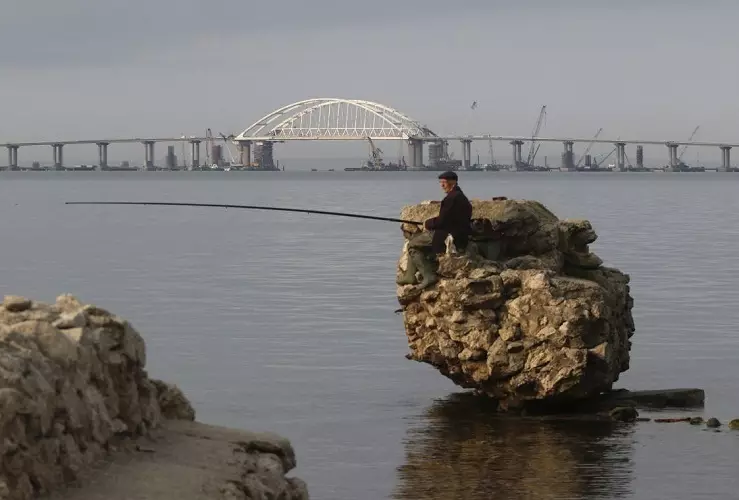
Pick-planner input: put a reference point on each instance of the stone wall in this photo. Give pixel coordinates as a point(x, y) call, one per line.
point(527, 314)
point(72, 385)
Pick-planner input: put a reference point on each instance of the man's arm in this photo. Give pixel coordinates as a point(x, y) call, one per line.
point(441, 219)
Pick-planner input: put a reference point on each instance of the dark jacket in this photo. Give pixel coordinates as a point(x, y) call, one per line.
point(455, 216)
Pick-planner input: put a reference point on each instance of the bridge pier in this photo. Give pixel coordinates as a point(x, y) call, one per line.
point(640, 157)
point(415, 152)
point(621, 156)
point(517, 152)
point(466, 152)
point(672, 153)
point(149, 155)
point(58, 156)
point(103, 155)
point(725, 158)
point(568, 157)
point(195, 149)
point(12, 157)
point(245, 153)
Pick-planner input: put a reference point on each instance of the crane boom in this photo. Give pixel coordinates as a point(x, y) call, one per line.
point(587, 150)
point(600, 162)
point(533, 149)
point(682, 151)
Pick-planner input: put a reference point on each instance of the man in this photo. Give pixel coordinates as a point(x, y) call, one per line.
point(455, 216)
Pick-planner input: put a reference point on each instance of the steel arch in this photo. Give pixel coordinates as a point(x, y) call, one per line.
point(335, 118)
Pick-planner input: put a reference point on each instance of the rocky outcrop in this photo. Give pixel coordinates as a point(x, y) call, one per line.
point(527, 314)
point(73, 388)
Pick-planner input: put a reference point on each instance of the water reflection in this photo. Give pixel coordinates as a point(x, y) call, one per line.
point(459, 451)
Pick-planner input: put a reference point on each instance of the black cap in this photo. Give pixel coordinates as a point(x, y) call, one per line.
point(448, 175)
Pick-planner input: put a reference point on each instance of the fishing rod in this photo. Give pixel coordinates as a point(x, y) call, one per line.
point(250, 207)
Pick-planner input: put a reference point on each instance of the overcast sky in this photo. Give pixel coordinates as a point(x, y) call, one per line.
point(94, 68)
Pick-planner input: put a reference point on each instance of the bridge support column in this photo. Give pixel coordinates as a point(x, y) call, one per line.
point(419, 153)
point(726, 158)
point(58, 156)
point(672, 152)
point(12, 157)
point(621, 156)
point(415, 151)
point(195, 148)
point(149, 155)
point(103, 155)
point(245, 153)
point(466, 152)
point(568, 157)
point(517, 153)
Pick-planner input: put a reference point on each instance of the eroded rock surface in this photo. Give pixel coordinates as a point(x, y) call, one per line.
point(73, 388)
point(529, 315)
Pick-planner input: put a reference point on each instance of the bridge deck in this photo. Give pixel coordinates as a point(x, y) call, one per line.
point(424, 139)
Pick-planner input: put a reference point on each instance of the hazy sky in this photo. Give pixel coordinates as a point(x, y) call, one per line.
point(90, 68)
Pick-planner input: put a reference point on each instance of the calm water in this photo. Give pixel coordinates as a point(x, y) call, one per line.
point(284, 322)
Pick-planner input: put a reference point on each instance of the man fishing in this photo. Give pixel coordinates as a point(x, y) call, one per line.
point(455, 216)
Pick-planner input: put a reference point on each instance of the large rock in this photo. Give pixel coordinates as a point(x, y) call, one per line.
point(73, 388)
point(527, 315)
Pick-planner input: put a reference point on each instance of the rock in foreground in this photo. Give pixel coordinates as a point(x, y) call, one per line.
point(186, 460)
point(527, 315)
point(73, 389)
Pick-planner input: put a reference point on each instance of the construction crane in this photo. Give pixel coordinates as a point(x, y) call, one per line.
point(587, 150)
point(600, 162)
point(376, 155)
point(208, 146)
point(534, 147)
point(682, 151)
point(226, 140)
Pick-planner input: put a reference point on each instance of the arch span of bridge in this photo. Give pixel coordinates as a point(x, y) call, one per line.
point(334, 119)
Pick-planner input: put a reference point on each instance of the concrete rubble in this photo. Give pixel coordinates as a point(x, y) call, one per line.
point(74, 394)
point(527, 315)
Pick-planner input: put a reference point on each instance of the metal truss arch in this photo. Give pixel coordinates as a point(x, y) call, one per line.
point(335, 118)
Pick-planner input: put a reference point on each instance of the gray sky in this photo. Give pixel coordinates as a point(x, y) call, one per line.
point(92, 68)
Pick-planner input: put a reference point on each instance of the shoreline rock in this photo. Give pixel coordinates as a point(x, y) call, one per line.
point(74, 391)
point(528, 315)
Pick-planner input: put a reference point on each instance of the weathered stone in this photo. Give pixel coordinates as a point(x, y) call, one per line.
point(73, 385)
point(16, 303)
point(713, 423)
point(734, 424)
point(172, 401)
point(661, 398)
point(554, 323)
point(50, 340)
point(76, 319)
point(624, 414)
point(67, 303)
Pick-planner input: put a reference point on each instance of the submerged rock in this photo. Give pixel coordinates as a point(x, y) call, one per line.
point(660, 398)
point(713, 422)
point(527, 314)
point(624, 414)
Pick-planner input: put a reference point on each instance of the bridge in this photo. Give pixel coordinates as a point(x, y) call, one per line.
point(331, 119)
